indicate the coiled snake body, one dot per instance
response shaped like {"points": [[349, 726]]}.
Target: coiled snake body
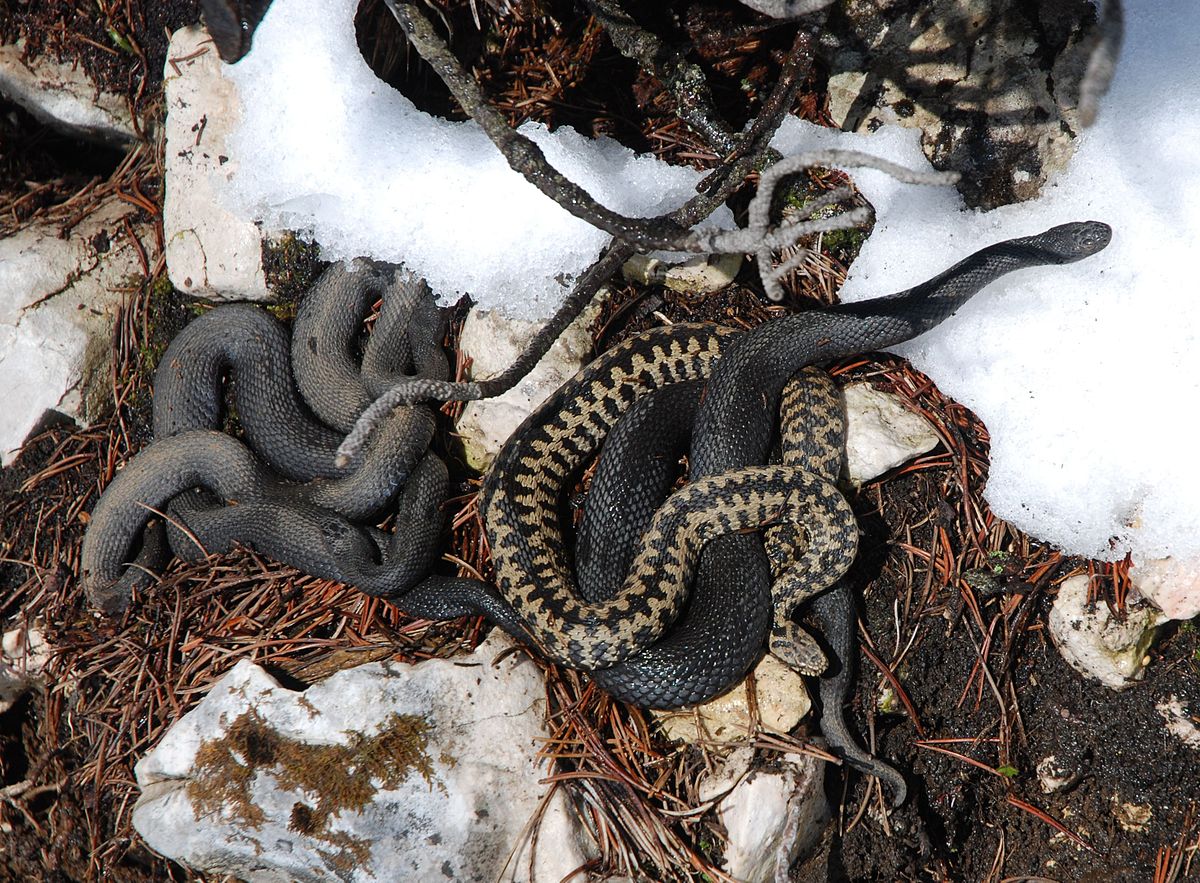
{"points": [[281, 493], [728, 613], [624, 632]]}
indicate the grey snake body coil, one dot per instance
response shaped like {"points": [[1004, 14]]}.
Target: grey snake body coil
{"points": [[630, 641], [281, 493]]}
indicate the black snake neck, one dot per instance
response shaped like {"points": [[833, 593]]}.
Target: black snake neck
{"points": [[733, 425]]}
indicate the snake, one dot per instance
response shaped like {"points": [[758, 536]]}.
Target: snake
{"points": [[647, 656], [280, 491], [636, 642], [626, 490], [639, 462]]}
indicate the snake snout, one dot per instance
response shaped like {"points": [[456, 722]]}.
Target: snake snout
{"points": [[1093, 236], [1078, 240]]}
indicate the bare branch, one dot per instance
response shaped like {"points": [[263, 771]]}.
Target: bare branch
{"points": [[762, 239], [759, 238], [713, 191], [684, 80], [523, 154]]}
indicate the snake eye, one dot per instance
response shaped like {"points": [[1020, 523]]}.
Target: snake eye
{"points": [[1093, 236]]}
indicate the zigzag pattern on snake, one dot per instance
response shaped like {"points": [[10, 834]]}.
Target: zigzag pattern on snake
{"points": [[625, 492], [623, 640]]}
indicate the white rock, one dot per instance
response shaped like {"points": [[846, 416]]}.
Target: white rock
{"points": [[58, 301], [23, 655], [493, 341], [1171, 584], [62, 95], [730, 770], [770, 818], [881, 433], [786, 8], [779, 695], [1133, 817], [1053, 775], [381, 772], [211, 252], [1179, 722], [697, 275], [1007, 73], [1096, 644]]}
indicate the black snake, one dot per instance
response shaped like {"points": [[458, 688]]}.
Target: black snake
{"points": [[626, 634], [626, 490]]}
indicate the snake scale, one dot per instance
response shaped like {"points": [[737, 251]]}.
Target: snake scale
{"points": [[640, 462], [728, 614], [626, 490], [280, 493], [646, 637]]}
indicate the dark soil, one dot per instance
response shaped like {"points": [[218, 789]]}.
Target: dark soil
{"points": [[980, 668], [121, 45], [40, 166], [1137, 785]]}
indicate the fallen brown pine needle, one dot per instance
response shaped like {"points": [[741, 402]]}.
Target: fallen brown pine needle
{"points": [[900, 691], [929, 745], [1052, 822]]}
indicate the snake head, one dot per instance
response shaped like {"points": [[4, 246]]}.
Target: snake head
{"points": [[1075, 241]]}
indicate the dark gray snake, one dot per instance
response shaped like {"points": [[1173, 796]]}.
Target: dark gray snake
{"points": [[280, 493], [626, 490]]}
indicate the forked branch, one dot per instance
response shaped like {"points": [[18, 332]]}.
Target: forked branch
{"points": [[671, 232]]}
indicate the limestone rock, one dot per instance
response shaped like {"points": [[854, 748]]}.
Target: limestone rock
{"points": [[60, 94], [786, 8], [58, 301], [1180, 723], [1171, 584], [1055, 775], [992, 84], [697, 275], [1095, 643], [881, 433], [493, 341], [779, 695], [1132, 817], [211, 252], [23, 655], [381, 772], [770, 817]]}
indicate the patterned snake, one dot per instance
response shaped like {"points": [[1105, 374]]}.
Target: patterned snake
{"points": [[625, 640], [626, 490]]}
